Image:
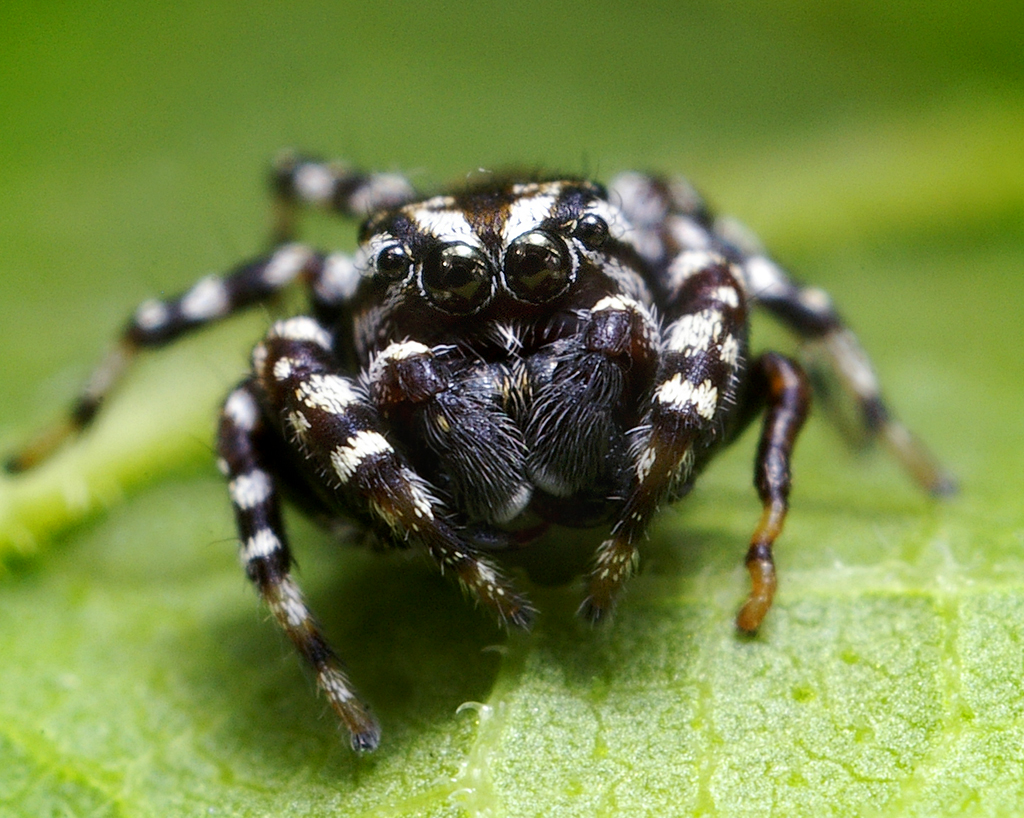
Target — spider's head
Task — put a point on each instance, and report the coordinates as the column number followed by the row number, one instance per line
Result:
column 509, row 243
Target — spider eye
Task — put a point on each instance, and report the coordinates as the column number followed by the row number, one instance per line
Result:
column 457, row 278
column 591, row 230
column 538, row 267
column 393, row 261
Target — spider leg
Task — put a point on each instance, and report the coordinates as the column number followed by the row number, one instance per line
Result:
column 697, row 381
column 242, row 442
column 298, row 180
column 834, row 356
column 341, row 437
column 671, row 218
column 159, row 322
column 780, row 387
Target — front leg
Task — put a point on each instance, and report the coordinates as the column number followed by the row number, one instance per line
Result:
column 696, row 385
column 344, row 450
column 243, row 443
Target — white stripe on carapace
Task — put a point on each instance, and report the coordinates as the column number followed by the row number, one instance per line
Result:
column 445, row 225
column 526, row 214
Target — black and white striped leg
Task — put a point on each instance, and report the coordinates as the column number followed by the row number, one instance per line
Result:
column 697, row 379
column 302, row 180
column 242, row 441
column 780, row 386
column 838, row 363
column 159, row 322
column 340, row 434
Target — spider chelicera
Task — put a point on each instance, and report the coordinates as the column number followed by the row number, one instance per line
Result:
column 492, row 361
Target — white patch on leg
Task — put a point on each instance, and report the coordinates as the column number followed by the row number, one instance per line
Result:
column 689, row 233
column 289, row 607
column 314, row 182
column 261, row 545
column 645, row 463
column 251, row 489
column 283, row 368
column 301, row 328
column 329, row 393
column 151, row 315
column 299, row 424
column 765, row 278
column 380, row 190
column 730, row 352
column 680, row 393
column 285, row 264
column 361, row 446
column 241, row 410
column 338, row 280
column 207, row 299
column 689, row 263
column 695, row 333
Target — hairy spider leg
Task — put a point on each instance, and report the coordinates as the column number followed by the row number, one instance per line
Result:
column 295, row 180
column 670, row 216
column 699, row 372
column 298, row 180
column 832, row 352
column 156, row 323
column 340, row 435
column 243, row 442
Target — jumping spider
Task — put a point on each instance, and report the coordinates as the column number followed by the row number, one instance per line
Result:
column 493, row 360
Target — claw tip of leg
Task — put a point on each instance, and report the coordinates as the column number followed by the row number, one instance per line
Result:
column 367, row 740
column 944, row 485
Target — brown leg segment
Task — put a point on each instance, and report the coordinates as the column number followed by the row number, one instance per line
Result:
column 784, row 388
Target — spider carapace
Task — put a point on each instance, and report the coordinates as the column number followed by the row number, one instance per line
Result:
column 510, row 355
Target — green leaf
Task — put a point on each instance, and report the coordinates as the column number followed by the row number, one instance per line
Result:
column 139, row 674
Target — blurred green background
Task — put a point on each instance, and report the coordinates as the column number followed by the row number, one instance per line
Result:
column 878, row 147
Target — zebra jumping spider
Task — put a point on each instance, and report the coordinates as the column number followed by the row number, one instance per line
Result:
column 511, row 355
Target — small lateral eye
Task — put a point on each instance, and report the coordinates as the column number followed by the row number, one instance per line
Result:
column 457, row 278
column 591, row 230
column 538, row 267
column 393, row 261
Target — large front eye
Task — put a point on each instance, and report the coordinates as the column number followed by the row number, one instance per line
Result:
column 393, row 261
column 457, row 278
column 538, row 267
